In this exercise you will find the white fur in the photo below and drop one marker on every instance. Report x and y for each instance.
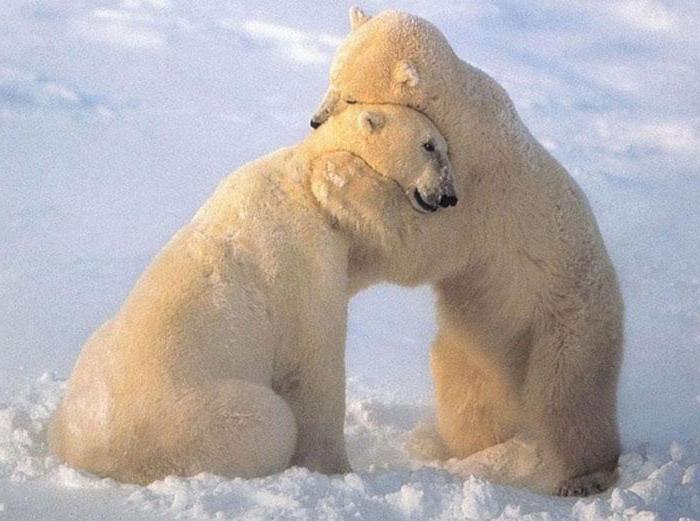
(228, 354)
(529, 311)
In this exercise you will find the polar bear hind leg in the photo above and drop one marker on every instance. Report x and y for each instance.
(253, 430)
(232, 428)
(244, 430)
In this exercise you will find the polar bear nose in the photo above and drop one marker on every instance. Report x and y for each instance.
(448, 200)
(315, 124)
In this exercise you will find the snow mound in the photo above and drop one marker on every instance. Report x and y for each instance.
(387, 441)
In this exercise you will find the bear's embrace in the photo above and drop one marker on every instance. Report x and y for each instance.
(228, 354)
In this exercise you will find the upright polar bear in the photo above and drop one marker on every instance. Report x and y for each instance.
(529, 311)
(228, 355)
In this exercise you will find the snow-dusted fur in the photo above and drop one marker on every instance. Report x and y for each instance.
(529, 311)
(228, 355)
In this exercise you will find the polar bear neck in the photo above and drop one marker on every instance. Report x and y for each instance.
(490, 146)
(485, 107)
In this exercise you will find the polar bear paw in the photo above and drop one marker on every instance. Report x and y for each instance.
(587, 484)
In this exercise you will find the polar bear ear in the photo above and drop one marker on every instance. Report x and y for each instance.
(405, 73)
(357, 17)
(370, 121)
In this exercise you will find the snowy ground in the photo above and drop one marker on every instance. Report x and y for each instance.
(117, 119)
(386, 440)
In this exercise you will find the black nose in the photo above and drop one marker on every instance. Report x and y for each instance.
(315, 124)
(448, 200)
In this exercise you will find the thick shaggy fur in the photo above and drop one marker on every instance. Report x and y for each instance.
(228, 354)
(529, 311)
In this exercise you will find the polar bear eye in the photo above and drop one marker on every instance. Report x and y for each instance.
(429, 146)
(350, 101)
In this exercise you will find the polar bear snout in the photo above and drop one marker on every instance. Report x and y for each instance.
(425, 204)
(328, 106)
(433, 190)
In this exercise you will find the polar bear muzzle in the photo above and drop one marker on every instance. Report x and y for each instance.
(433, 189)
(327, 107)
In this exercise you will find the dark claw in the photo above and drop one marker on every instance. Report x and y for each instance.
(581, 491)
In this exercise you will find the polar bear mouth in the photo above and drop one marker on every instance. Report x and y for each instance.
(421, 204)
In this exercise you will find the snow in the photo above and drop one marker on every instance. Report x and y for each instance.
(391, 481)
(118, 119)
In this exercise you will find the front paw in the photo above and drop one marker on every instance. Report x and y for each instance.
(326, 467)
(342, 467)
(324, 463)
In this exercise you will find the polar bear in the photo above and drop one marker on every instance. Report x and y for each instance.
(228, 354)
(530, 317)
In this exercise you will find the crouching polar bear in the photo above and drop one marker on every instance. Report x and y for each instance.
(228, 354)
(529, 311)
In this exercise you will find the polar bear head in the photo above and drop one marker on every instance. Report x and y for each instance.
(393, 57)
(399, 144)
(379, 174)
